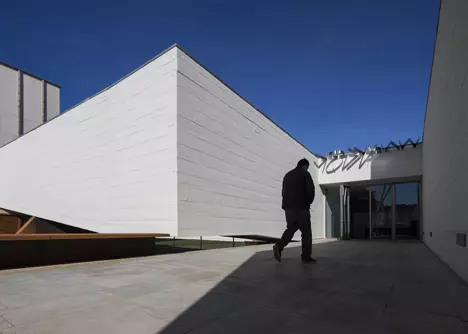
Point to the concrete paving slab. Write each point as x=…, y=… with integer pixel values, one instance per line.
x=356, y=287
x=252, y=320
x=4, y=324
x=406, y=322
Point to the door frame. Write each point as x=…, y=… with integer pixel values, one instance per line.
x=345, y=209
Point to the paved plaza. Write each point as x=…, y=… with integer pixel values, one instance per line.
x=356, y=287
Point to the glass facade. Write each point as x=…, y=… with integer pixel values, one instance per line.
x=385, y=211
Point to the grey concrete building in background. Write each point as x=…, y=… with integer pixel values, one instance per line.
x=445, y=162
x=27, y=101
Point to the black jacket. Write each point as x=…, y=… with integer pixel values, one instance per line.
x=298, y=190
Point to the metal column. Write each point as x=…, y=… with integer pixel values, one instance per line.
x=393, y=212
x=348, y=213
x=344, y=212
x=341, y=210
x=44, y=102
x=370, y=214
x=421, y=222
x=20, y=103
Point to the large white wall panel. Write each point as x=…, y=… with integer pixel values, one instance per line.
x=8, y=104
x=32, y=105
x=344, y=170
x=109, y=164
x=231, y=161
x=53, y=101
x=445, y=162
x=398, y=164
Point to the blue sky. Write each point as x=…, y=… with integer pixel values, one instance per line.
x=334, y=74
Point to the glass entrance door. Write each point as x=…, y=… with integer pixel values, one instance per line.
x=387, y=211
x=407, y=212
x=394, y=211
x=359, y=212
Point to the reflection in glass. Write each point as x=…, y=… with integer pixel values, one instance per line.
x=359, y=212
x=407, y=211
x=374, y=215
x=381, y=207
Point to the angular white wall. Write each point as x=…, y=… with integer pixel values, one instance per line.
x=107, y=165
x=168, y=149
x=445, y=162
x=231, y=161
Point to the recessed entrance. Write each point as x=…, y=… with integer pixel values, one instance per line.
x=384, y=211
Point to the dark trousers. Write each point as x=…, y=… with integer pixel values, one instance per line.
x=298, y=220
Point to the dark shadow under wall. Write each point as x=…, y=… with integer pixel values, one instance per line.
x=31, y=253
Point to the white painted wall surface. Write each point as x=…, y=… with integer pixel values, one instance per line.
x=231, y=161
x=32, y=105
x=392, y=166
x=398, y=164
x=53, y=101
x=109, y=164
x=445, y=161
x=8, y=104
x=347, y=169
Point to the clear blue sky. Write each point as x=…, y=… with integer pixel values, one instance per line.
x=334, y=74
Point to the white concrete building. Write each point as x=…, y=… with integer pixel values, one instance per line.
x=434, y=173
x=171, y=148
x=373, y=193
x=27, y=101
x=167, y=149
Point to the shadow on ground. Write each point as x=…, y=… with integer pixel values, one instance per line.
x=33, y=253
x=356, y=287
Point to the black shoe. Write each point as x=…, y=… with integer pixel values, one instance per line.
x=309, y=260
x=277, y=253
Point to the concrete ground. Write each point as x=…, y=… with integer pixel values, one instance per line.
x=356, y=287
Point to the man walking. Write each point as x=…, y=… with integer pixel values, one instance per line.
x=298, y=195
